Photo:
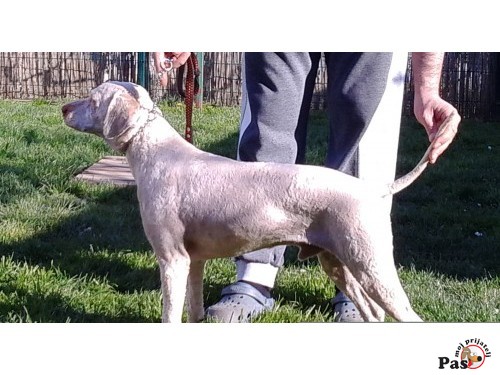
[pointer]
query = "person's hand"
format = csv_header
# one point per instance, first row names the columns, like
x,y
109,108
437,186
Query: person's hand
x,y
432,112
178,58
164,61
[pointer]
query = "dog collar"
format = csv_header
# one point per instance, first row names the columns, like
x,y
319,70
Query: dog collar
x,y
152,114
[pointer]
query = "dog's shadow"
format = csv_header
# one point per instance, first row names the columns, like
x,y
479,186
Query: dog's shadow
x,y
84,246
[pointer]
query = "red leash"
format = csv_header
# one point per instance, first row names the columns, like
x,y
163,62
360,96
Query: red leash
x,y
190,91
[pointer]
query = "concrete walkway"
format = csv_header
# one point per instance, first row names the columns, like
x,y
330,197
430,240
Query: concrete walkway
x,y
110,169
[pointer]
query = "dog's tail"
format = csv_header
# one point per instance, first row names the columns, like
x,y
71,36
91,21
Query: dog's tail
x,y
406,180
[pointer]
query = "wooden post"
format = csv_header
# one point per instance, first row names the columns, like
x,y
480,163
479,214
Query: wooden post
x,y
143,69
198,100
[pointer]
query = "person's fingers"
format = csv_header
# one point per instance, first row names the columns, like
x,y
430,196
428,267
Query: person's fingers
x,y
437,150
173,59
180,58
163,79
444,136
427,120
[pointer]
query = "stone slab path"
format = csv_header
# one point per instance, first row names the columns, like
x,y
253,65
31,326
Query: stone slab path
x,y
110,169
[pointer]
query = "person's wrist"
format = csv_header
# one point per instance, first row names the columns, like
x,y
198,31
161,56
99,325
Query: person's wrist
x,y
426,93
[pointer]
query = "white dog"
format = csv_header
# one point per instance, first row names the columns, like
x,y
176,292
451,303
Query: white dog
x,y
197,206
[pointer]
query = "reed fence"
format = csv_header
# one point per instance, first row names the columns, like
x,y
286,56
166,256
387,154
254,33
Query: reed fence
x,y
470,81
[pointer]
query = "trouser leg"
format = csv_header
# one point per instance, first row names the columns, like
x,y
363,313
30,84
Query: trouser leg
x,y
364,98
378,149
277,92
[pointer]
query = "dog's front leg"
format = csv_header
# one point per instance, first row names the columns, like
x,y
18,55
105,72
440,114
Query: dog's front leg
x,y
174,275
194,299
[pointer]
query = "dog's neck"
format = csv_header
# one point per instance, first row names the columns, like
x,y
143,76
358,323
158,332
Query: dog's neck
x,y
155,135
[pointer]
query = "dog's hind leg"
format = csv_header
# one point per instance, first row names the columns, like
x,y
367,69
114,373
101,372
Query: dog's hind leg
x,y
366,249
194,298
378,277
345,281
385,288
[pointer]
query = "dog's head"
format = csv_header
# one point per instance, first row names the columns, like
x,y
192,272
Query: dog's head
x,y
114,111
472,357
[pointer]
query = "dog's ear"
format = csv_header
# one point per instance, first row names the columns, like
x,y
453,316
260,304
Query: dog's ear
x,y
118,128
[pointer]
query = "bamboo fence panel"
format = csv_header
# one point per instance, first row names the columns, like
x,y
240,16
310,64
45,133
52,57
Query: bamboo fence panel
x,y
468,81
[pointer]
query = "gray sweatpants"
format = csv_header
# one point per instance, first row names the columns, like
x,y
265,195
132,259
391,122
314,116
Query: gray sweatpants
x,y
362,88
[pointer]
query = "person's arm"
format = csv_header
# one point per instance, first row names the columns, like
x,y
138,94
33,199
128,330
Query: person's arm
x,y
429,108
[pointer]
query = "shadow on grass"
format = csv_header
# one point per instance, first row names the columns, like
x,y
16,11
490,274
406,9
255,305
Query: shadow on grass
x,y
102,241
84,244
53,308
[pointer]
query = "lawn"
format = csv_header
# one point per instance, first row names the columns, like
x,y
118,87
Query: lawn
x,y
75,252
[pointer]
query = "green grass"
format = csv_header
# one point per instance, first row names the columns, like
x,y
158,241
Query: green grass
x,y
75,252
